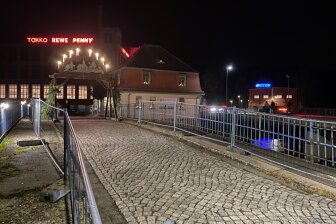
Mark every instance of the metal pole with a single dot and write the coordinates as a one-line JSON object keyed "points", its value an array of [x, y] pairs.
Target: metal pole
{"points": [[227, 73], [233, 125], [174, 115]]}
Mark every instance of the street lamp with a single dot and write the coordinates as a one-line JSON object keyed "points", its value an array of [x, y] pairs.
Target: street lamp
{"points": [[238, 99], [241, 103], [287, 76], [228, 68], [231, 101]]}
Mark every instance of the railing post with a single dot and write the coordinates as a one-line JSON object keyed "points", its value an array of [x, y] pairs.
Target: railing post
{"points": [[259, 129], [174, 115], [38, 117], [139, 114], [233, 127], [311, 140], [65, 132]]}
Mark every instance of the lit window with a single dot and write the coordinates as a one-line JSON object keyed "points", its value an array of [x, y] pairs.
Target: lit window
{"points": [[12, 91], [256, 96], [265, 96], [277, 96], [82, 92], [24, 91], [289, 96], [60, 92], [182, 80], [36, 91], [45, 91], [2, 91], [71, 92], [152, 98], [146, 77]]}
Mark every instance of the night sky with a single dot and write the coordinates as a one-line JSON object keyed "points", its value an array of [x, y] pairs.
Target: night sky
{"points": [[264, 40]]}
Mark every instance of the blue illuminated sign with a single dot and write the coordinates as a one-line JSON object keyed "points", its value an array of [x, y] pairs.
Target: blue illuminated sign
{"points": [[263, 85]]}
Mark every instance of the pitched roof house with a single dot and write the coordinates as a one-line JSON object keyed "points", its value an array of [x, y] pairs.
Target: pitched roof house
{"points": [[154, 74]]}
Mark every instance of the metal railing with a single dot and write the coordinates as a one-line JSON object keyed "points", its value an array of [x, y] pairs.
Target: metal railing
{"points": [[83, 204], [10, 113], [303, 142]]}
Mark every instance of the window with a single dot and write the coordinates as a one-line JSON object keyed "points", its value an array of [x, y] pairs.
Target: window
{"points": [[182, 80], [45, 91], [71, 92], [181, 99], [277, 96], [24, 91], [289, 96], [12, 91], [36, 93], [2, 91], [60, 92], [265, 96], [82, 92], [152, 98], [256, 96], [146, 77]]}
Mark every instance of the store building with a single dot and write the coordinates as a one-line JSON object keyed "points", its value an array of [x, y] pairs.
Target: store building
{"points": [[282, 97]]}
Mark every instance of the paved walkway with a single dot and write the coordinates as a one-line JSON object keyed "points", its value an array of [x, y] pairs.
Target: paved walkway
{"points": [[153, 177]]}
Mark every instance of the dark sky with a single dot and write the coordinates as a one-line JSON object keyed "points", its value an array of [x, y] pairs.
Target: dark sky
{"points": [[264, 40]]}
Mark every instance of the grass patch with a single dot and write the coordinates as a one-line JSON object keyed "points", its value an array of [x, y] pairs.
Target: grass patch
{"points": [[7, 169], [20, 150], [3, 143]]}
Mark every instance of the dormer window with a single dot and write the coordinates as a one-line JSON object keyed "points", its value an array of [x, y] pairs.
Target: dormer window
{"points": [[182, 80], [146, 77], [161, 61]]}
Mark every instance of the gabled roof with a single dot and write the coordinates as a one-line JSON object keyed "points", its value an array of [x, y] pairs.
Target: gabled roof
{"points": [[156, 57]]}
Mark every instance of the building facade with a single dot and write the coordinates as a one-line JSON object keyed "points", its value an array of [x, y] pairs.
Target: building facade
{"points": [[154, 74], [282, 97]]}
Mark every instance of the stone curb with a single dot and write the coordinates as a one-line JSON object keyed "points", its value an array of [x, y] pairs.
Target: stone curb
{"points": [[280, 173]]}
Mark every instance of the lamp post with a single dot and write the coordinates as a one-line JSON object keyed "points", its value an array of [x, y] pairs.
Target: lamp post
{"points": [[241, 103], [228, 68], [231, 101], [287, 76], [238, 100]]}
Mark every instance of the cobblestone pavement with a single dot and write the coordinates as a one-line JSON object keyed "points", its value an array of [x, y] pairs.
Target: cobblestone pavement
{"points": [[153, 177]]}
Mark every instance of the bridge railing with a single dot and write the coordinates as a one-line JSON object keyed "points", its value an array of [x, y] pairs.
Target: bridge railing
{"points": [[284, 138], [10, 113], [83, 204]]}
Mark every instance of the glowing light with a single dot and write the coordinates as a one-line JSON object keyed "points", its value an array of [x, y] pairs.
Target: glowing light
{"points": [[70, 53], [125, 52], [90, 52], [107, 66], [35, 40], [59, 40], [64, 57], [103, 60], [4, 105], [97, 56], [263, 85], [283, 109], [23, 102], [77, 51], [82, 40], [59, 64], [229, 67], [213, 109]]}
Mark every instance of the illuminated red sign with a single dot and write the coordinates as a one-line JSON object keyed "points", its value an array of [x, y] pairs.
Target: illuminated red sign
{"points": [[60, 40]]}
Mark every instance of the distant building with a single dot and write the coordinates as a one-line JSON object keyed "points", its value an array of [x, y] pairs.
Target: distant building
{"points": [[280, 95]]}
